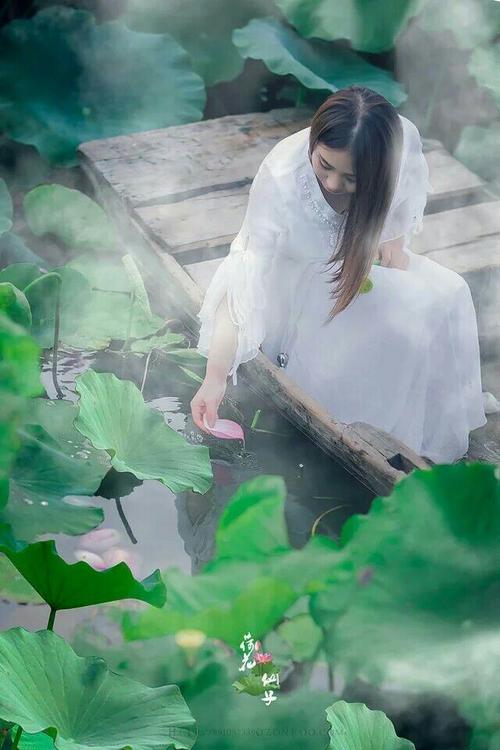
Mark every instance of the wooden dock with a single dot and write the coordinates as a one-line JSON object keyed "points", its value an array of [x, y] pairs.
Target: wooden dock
{"points": [[155, 182]]}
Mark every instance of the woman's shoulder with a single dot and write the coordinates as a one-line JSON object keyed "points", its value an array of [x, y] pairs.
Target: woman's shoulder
{"points": [[288, 154]]}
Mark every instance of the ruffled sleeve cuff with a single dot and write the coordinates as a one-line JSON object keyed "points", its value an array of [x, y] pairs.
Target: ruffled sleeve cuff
{"points": [[243, 275]]}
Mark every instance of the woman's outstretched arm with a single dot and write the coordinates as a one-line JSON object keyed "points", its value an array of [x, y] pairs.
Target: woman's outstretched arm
{"points": [[220, 359]]}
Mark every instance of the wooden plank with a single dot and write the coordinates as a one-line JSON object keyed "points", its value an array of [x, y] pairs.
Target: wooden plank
{"points": [[223, 209], [452, 229], [479, 255], [176, 163]]}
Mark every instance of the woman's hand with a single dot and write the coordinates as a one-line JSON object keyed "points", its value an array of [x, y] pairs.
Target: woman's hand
{"points": [[206, 401], [392, 255]]}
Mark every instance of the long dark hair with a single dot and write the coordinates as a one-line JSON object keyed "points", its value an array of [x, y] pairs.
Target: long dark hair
{"points": [[365, 123]]}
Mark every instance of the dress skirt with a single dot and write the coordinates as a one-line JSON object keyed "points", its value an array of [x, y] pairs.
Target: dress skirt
{"points": [[403, 356]]}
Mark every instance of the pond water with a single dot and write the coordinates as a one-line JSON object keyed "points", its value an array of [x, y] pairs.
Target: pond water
{"points": [[178, 530]]}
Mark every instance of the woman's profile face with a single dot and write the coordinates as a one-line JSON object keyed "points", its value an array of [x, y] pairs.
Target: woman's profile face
{"points": [[333, 168]]}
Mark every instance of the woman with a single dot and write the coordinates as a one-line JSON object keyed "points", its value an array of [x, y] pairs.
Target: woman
{"points": [[329, 217]]}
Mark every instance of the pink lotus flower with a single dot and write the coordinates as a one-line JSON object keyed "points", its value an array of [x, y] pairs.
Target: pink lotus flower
{"points": [[110, 558], [225, 429], [100, 540], [95, 561], [117, 555], [263, 658]]}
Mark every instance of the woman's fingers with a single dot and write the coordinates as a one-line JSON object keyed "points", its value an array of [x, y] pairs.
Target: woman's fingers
{"points": [[211, 413], [197, 411]]}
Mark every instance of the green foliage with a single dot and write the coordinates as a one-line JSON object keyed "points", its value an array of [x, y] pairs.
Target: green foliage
{"points": [[71, 216], [15, 588], [5, 208], [302, 636], [112, 312], [315, 63], [19, 381], [62, 291], [419, 607], [113, 415], [66, 79], [20, 274], [13, 249], [45, 686], [369, 26], [165, 341], [54, 461], [203, 29], [68, 586], [354, 725], [14, 304], [254, 578]]}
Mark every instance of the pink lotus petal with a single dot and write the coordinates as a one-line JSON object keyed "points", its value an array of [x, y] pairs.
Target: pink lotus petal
{"points": [[225, 429], [100, 539], [95, 561], [257, 646], [263, 658], [117, 555]]}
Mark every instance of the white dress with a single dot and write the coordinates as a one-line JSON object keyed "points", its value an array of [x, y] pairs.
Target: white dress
{"points": [[403, 357]]}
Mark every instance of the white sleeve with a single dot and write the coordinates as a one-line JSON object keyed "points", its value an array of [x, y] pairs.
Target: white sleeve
{"points": [[405, 215], [243, 275]]}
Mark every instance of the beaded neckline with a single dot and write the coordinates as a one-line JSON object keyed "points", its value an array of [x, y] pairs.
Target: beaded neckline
{"points": [[311, 192]]}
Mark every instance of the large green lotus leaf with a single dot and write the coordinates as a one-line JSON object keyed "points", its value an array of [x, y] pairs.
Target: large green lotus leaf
{"points": [[369, 26], [39, 741], [20, 274], [252, 525], [203, 29], [6, 211], [108, 314], [224, 605], [483, 65], [221, 600], [354, 725], [479, 149], [420, 608], [302, 635], [315, 63], [13, 249], [69, 586], [14, 587], [156, 661], [473, 22], [74, 218], [66, 79], [19, 381], [225, 720], [42, 295], [113, 415], [256, 515], [164, 341], [54, 460], [141, 300], [14, 305], [83, 705], [230, 721], [252, 564]]}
